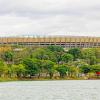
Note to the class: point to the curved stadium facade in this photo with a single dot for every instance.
(67, 42)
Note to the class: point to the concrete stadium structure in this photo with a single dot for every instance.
(64, 41)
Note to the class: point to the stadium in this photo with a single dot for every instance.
(64, 41)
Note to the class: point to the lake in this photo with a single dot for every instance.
(50, 90)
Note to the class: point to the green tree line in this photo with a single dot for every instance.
(49, 62)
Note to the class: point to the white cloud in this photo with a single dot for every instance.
(50, 17)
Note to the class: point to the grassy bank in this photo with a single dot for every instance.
(46, 79)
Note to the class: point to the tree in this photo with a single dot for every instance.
(89, 55)
(73, 71)
(97, 53)
(8, 56)
(49, 67)
(67, 57)
(62, 69)
(1, 67)
(57, 52)
(31, 66)
(58, 56)
(19, 70)
(93, 60)
(95, 68)
(20, 54)
(55, 48)
(76, 52)
(85, 69)
(41, 53)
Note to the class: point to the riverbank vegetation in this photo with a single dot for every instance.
(51, 62)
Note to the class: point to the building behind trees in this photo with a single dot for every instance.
(66, 42)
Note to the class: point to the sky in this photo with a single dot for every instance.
(50, 17)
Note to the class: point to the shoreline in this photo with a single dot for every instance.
(16, 79)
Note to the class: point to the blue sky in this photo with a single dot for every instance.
(50, 17)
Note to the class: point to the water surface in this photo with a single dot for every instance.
(50, 90)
